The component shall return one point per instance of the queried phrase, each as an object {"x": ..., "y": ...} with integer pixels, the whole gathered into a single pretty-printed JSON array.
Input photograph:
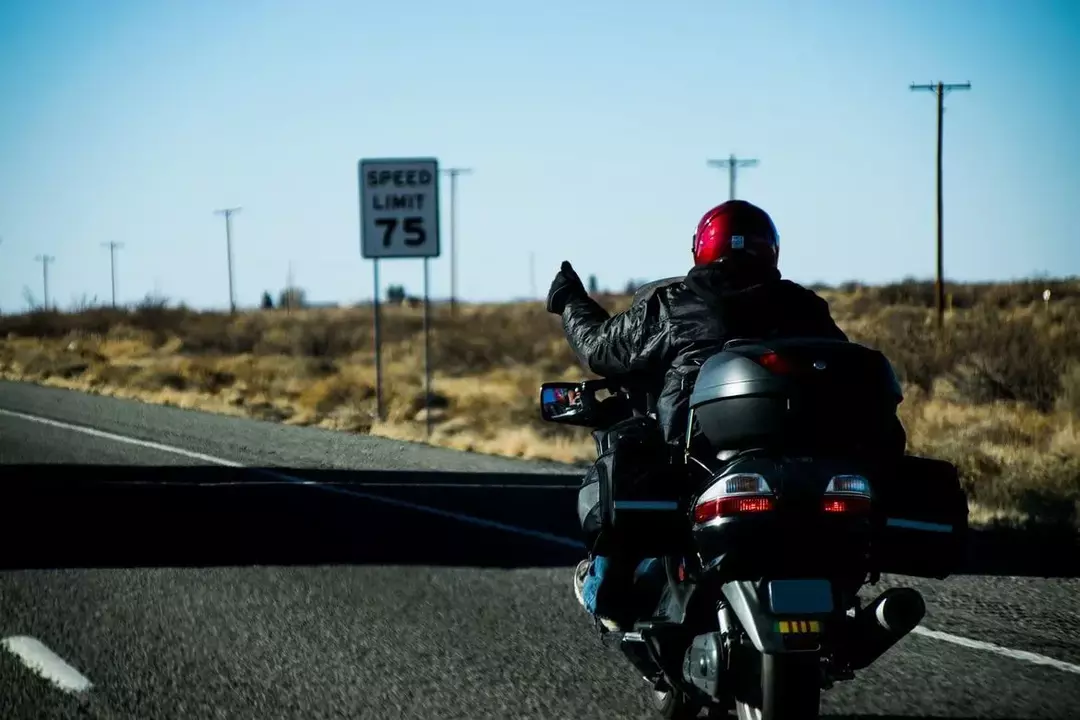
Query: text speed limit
[{"x": 399, "y": 208}]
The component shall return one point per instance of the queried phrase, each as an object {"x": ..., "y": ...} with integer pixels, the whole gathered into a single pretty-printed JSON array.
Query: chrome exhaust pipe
[{"x": 883, "y": 623}]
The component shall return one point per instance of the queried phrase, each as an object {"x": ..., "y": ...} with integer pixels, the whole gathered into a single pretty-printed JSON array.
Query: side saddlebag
[
  {"x": 631, "y": 501},
  {"x": 922, "y": 519}
]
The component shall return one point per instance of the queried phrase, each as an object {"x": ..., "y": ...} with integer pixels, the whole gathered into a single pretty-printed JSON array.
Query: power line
[
  {"x": 453, "y": 173},
  {"x": 45, "y": 260},
  {"x": 940, "y": 89},
  {"x": 732, "y": 165},
  {"x": 228, "y": 213},
  {"x": 113, "y": 247}
]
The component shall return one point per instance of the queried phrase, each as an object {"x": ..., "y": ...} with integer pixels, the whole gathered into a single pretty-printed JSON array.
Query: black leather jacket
[{"x": 673, "y": 325}]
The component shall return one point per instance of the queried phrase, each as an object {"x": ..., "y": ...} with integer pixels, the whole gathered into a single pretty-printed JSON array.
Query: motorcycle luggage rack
[{"x": 736, "y": 342}]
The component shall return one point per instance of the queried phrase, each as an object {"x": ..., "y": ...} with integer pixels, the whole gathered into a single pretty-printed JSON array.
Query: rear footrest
[
  {"x": 619, "y": 638},
  {"x": 655, "y": 627}
]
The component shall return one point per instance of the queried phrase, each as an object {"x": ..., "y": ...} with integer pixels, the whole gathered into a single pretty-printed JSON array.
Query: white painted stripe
[
  {"x": 1023, "y": 655},
  {"x": 46, "y": 663},
  {"x": 481, "y": 522},
  {"x": 343, "y": 483},
  {"x": 452, "y": 485},
  {"x": 123, "y": 439},
  {"x": 460, "y": 517},
  {"x": 212, "y": 460}
]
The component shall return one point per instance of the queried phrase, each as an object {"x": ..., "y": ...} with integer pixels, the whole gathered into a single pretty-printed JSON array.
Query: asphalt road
[{"x": 409, "y": 582}]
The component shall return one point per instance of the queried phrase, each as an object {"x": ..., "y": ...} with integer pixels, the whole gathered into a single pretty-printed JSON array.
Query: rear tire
[
  {"x": 791, "y": 686},
  {"x": 790, "y": 689}
]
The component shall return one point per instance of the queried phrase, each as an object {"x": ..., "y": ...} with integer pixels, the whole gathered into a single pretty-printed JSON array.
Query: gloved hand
[{"x": 565, "y": 286}]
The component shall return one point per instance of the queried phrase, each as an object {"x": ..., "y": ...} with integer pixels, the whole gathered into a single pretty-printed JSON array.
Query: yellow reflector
[{"x": 798, "y": 627}]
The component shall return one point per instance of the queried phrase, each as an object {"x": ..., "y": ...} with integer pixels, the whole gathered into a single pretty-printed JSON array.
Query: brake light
[
  {"x": 736, "y": 494},
  {"x": 774, "y": 363},
  {"x": 846, "y": 505},
  {"x": 847, "y": 494}
]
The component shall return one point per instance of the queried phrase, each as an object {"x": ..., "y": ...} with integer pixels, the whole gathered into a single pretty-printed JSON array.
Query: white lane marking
[
  {"x": 1024, "y": 655},
  {"x": 460, "y": 517},
  {"x": 481, "y": 522},
  {"x": 123, "y": 439},
  {"x": 348, "y": 483},
  {"x": 453, "y": 486},
  {"x": 46, "y": 663}
]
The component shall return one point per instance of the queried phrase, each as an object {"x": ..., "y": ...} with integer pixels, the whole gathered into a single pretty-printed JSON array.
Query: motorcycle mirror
[{"x": 564, "y": 402}]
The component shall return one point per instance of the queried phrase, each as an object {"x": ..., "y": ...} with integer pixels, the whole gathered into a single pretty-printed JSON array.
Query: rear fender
[{"x": 779, "y": 616}]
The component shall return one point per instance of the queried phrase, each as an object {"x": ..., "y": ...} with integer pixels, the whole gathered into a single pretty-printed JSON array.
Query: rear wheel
[
  {"x": 791, "y": 686},
  {"x": 790, "y": 689}
]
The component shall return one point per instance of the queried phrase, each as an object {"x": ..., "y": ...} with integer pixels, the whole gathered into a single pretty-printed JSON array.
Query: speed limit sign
[{"x": 399, "y": 208}]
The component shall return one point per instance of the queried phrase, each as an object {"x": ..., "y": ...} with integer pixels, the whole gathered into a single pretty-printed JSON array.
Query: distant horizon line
[{"x": 153, "y": 297}]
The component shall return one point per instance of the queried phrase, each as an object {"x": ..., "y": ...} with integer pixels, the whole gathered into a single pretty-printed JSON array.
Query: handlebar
[{"x": 631, "y": 390}]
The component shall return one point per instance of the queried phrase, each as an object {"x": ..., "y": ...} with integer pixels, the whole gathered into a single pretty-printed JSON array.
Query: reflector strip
[
  {"x": 646, "y": 505},
  {"x": 919, "y": 525},
  {"x": 799, "y": 627}
]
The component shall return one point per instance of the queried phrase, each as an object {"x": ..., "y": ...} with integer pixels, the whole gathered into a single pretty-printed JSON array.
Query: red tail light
[
  {"x": 736, "y": 494},
  {"x": 721, "y": 507},
  {"x": 847, "y": 494},
  {"x": 774, "y": 363},
  {"x": 846, "y": 505}
]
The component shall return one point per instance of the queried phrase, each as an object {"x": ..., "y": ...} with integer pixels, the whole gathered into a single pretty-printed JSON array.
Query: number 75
[{"x": 412, "y": 226}]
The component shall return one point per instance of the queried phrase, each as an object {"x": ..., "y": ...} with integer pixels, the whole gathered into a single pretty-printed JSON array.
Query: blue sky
[{"x": 587, "y": 124}]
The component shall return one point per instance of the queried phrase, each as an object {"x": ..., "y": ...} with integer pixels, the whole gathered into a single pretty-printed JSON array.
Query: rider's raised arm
[{"x": 614, "y": 345}]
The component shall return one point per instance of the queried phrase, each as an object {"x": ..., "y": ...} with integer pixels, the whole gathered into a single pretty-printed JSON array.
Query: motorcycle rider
[{"x": 734, "y": 289}]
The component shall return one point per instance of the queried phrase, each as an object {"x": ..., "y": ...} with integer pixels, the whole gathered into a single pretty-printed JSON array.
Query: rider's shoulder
[
  {"x": 794, "y": 288},
  {"x": 648, "y": 290}
]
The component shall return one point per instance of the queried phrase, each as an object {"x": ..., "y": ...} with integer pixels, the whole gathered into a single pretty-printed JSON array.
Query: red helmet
[{"x": 734, "y": 228}]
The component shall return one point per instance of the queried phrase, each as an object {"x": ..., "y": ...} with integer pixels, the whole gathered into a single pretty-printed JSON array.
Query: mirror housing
[{"x": 572, "y": 403}]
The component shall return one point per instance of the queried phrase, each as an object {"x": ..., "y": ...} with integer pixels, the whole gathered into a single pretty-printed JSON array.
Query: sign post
[{"x": 399, "y": 218}]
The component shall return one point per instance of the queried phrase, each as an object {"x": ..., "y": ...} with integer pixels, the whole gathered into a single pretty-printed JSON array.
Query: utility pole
[
  {"x": 940, "y": 89},
  {"x": 228, "y": 213},
  {"x": 453, "y": 173},
  {"x": 113, "y": 247},
  {"x": 732, "y": 165},
  {"x": 45, "y": 260}
]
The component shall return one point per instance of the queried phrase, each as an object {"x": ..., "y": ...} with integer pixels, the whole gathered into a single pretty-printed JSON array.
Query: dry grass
[{"x": 998, "y": 393}]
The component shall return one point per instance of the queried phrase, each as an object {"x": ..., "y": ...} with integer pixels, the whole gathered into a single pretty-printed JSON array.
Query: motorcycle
[{"x": 790, "y": 496}]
